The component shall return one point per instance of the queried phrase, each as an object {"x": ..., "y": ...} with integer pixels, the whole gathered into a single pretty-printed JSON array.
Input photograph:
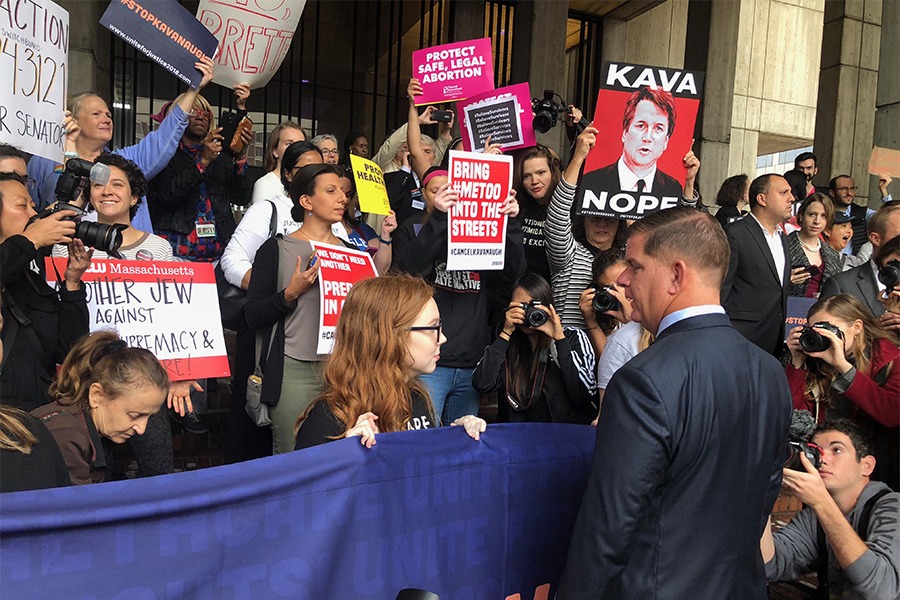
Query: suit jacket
[
  {"x": 752, "y": 294},
  {"x": 686, "y": 469},
  {"x": 831, "y": 261},
  {"x": 860, "y": 283},
  {"x": 607, "y": 178}
]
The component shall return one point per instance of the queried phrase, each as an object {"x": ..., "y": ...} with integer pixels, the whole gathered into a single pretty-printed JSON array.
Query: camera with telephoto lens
[
  {"x": 889, "y": 275},
  {"x": 801, "y": 429},
  {"x": 604, "y": 301},
  {"x": 546, "y": 111},
  {"x": 813, "y": 341},
  {"x": 71, "y": 183},
  {"x": 534, "y": 316}
]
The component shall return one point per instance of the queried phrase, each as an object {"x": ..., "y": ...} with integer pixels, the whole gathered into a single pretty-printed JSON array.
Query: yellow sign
[{"x": 370, "y": 188}]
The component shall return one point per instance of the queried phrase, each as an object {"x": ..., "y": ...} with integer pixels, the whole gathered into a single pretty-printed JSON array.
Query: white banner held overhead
[
  {"x": 254, "y": 37},
  {"x": 34, "y": 45}
]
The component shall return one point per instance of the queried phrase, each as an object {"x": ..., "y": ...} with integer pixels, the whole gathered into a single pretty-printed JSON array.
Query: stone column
[
  {"x": 847, "y": 86},
  {"x": 89, "y": 44},
  {"x": 887, "y": 97}
]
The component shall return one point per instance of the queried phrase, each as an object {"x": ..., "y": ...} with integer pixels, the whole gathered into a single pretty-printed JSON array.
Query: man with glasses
[
  {"x": 328, "y": 144},
  {"x": 842, "y": 190}
]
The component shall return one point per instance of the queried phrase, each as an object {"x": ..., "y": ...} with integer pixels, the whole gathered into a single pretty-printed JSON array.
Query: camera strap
[{"x": 862, "y": 530}]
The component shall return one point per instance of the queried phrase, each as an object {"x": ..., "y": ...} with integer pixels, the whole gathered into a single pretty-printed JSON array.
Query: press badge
[
  {"x": 205, "y": 230},
  {"x": 418, "y": 203}
]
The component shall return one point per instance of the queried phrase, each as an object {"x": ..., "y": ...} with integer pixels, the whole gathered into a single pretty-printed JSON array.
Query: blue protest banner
[
  {"x": 429, "y": 509},
  {"x": 796, "y": 312},
  {"x": 165, "y": 32}
]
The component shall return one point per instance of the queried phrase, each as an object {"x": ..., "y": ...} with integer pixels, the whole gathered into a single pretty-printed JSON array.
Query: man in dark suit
[
  {"x": 647, "y": 124},
  {"x": 754, "y": 293},
  {"x": 689, "y": 449},
  {"x": 861, "y": 282}
]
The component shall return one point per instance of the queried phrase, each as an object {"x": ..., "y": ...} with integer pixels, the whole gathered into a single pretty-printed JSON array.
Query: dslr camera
[
  {"x": 546, "y": 111},
  {"x": 534, "y": 316},
  {"x": 889, "y": 275},
  {"x": 604, "y": 301},
  {"x": 803, "y": 424},
  {"x": 107, "y": 238},
  {"x": 813, "y": 341}
]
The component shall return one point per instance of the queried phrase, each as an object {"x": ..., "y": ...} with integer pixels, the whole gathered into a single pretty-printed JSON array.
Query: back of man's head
[
  {"x": 687, "y": 234},
  {"x": 862, "y": 443},
  {"x": 885, "y": 223},
  {"x": 758, "y": 186}
]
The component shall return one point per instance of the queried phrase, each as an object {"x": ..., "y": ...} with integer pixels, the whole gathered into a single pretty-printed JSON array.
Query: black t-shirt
[
  {"x": 532, "y": 216},
  {"x": 322, "y": 426},
  {"x": 43, "y": 468}
]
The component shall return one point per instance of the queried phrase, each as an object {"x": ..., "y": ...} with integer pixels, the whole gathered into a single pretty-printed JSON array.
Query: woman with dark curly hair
[{"x": 733, "y": 198}]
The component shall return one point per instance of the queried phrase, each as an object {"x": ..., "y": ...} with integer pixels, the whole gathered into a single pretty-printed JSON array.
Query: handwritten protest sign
[
  {"x": 884, "y": 161},
  {"x": 341, "y": 268},
  {"x": 369, "y": 179},
  {"x": 254, "y": 37},
  {"x": 34, "y": 44},
  {"x": 476, "y": 229},
  {"x": 454, "y": 71},
  {"x": 165, "y": 32},
  {"x": 168, "y": 308},
  {"x": 645, "y": 117},
  {"x": 504, "y": 114}
]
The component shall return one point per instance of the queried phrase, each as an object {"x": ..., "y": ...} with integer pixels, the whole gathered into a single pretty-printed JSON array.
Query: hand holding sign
[
  {"x": 388, "y": 226},
  {"x": 585, "y": 141},
  {"x": 510, "y": 206},
  {"x": 445, "y": 198},
  {"x": 241, "y": 95}
]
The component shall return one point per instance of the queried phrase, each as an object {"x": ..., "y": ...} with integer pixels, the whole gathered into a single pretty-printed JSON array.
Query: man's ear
[
  {"x": 868, "y": 465},
  {"x": 679, "y": 277}
]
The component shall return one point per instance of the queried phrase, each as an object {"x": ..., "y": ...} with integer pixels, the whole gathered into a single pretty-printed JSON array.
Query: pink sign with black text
[{"x": 453, "y": 72}]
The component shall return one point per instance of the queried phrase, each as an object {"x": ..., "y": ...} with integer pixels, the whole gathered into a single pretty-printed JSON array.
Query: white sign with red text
[
  {"x": 476, "y": 230},
  {"x": 340, "y": 269},
  {"x": 168, "y": 308},
  {"x": 254, "y": 37}
]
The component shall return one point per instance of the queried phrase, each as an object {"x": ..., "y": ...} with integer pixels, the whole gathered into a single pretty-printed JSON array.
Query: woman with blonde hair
[
  {"x": 104, "y": 391},
  {"x": 389, "y": 334},
  {"x": 845, "y": 365}
]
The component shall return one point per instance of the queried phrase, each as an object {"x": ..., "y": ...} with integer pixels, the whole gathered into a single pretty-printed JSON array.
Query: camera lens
[
  {"x": 889, "y": 274},
  {"x": 813, "y": 341},
  {"x": 604, "y": 301},
  {"x": 810, "y": 450},
  {"x": 106, "y": 238},
  {"x": 544, "y": 121},
  {"x": 535, "y": 317}
]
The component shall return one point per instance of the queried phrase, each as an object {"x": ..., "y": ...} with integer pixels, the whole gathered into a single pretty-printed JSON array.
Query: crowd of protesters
[{"x": 421, "y": 345}]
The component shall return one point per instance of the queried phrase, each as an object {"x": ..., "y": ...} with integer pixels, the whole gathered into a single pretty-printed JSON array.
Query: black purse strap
[
  {"x": 262, "y": 353},
  {"x": 273, "y": 220}
]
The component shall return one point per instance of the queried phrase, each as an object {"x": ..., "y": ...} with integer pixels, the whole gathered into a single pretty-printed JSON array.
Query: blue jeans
[{"x": 451, "y": 393}]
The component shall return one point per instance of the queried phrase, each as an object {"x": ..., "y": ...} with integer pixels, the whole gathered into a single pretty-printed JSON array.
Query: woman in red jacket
[{"x": 856, "y": 376}]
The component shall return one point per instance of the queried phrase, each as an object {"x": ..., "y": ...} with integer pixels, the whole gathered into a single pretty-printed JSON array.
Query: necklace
[{"x": 816, "y": 249}]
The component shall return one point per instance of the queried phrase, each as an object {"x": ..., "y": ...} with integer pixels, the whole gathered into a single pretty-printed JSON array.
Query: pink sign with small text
[
  {"x": 454, "y": 71},
  {"x": 503, "y": 114}
]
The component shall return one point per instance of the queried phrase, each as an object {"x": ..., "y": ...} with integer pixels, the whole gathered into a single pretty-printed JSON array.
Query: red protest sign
[
  {"x": 340, "y": 269},
  {"x": 476, "y": 229}
]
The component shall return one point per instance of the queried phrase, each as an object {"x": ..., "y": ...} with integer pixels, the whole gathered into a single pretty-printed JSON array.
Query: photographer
[
  {"x": 848, "y": 529},
  {"x": 541, "y": 371},
  {"x": 887, "y": 259},
  {"x": 845, "y": 365},
  {"x": 42, "y": 323}
]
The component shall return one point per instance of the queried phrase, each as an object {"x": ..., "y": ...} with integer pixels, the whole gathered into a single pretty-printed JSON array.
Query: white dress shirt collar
[
  {"x": 686, "y": 313},
  {"x": 628, "y": 180}
]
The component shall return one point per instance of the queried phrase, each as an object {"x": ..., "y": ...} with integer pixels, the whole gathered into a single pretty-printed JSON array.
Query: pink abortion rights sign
[
  {"x": 476, "y": 239},
  {"x": 453, "y": 72},
  {"x": 340, "y": 269},
  {"x": 504, "y": 114}
]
